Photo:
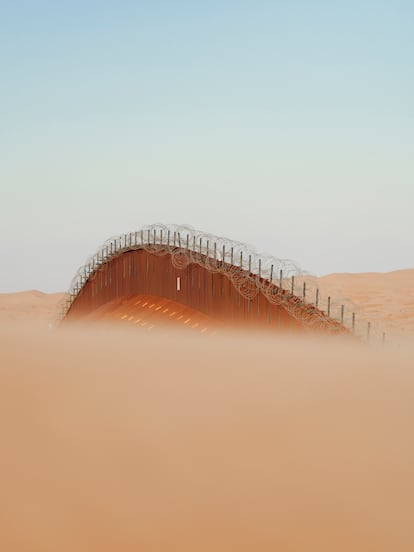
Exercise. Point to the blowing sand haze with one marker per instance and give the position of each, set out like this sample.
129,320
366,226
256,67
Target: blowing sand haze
111,442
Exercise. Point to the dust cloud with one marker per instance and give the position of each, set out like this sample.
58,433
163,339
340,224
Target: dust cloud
118,440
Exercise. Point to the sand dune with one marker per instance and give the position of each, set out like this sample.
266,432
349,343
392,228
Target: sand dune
385,298
28,306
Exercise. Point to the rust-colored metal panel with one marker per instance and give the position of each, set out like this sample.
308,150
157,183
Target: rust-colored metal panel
141,272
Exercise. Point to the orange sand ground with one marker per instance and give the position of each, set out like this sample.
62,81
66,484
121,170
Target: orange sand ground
113,439
385,298
29,306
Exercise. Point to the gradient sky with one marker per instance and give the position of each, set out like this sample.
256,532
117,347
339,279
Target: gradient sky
289,125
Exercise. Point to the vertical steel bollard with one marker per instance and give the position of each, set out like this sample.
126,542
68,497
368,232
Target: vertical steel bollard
292,287
317,298
250,264
222,274
161,242
187,244
280,280
155,237
208,246
168,237
260,268
213,281
142,237
271,274
304,291
342,314
231,283
329,306
238,292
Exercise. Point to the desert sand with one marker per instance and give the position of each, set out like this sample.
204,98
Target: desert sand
117,439
29,306
386,299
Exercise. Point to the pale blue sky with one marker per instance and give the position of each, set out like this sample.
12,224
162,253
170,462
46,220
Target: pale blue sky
289,125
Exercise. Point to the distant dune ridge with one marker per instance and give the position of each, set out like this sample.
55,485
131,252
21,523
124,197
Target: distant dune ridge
384,298
29,306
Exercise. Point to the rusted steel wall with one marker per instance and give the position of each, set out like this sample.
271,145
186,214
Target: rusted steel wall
139,272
